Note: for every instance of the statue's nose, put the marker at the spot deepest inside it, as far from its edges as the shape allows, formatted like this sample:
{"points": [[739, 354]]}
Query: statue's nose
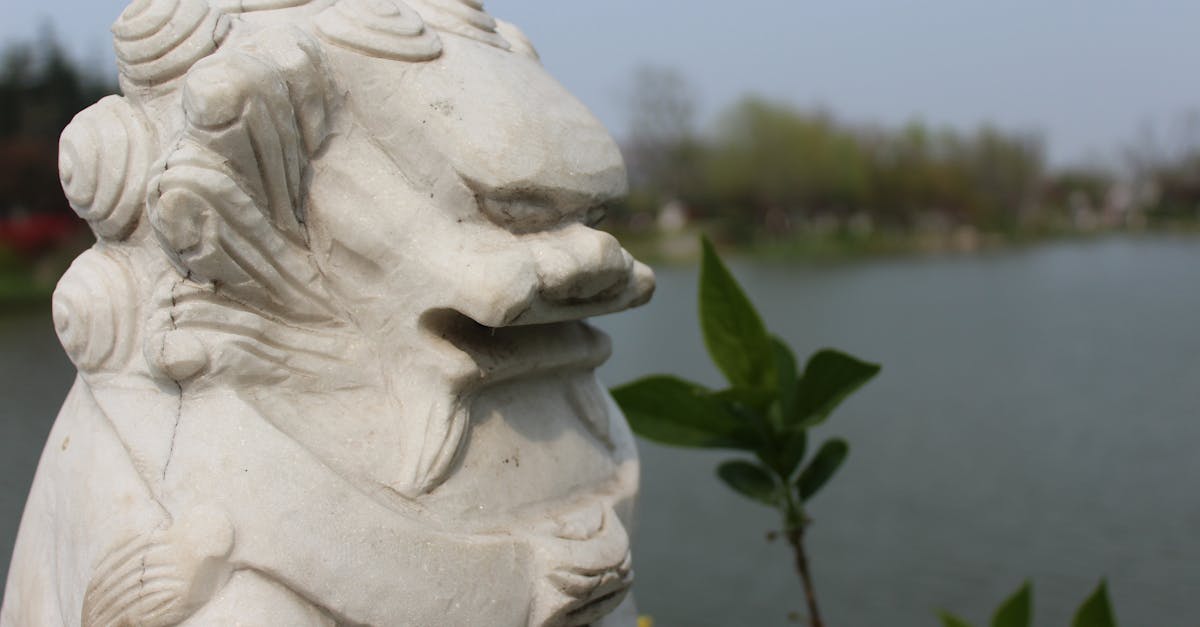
{"points": [[579, 265]]}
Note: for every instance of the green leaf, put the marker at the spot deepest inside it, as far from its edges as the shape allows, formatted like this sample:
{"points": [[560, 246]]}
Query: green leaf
{"points": [[822, 467], [751, 480], [1017, 611], [790, 443], [829, 377], [672, 411], [753, 399], [779, 447], [1096, 611], [786, 382], [734, 333], [794, 444], [950, 620], [750, 407]]}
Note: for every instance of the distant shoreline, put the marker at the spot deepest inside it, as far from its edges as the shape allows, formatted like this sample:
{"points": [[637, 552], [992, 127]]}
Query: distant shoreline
{"points": [[682, 248], [19, 287]]}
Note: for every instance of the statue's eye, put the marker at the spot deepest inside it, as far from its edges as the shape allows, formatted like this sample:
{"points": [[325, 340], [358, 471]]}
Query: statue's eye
{"points": [[595, 216]]}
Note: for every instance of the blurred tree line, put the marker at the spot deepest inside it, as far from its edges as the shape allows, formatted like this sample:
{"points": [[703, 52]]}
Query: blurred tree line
{"points": [[771, 170], [41, 89], [765, 170]]}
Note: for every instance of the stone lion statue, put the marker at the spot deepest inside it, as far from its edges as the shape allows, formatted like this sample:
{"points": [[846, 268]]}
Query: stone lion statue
{"points": [[332, 364]]}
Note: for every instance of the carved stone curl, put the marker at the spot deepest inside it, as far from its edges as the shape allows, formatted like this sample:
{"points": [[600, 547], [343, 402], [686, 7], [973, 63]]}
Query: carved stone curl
{"points": [[95, 311], [104, 158], [333, 368], [158, 40], [463, 17]]}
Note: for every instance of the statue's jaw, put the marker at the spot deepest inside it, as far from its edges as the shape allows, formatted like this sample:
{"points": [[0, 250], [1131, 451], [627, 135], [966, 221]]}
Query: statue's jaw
{"points": [[409, 431], [551, 364]]}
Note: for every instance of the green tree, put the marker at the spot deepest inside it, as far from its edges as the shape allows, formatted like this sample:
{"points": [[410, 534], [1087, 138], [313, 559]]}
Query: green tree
{"points": [[769, 157]]}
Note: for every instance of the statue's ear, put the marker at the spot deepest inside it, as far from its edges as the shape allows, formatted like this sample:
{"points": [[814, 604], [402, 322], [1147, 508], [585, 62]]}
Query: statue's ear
{"points": [[228, 202]]}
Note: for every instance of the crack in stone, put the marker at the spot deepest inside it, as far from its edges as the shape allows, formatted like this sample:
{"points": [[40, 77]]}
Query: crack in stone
{"points": [[178, 385]]}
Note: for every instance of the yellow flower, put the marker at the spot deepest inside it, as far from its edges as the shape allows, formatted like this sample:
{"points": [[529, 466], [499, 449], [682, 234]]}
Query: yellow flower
{"points": [[645, 621]]}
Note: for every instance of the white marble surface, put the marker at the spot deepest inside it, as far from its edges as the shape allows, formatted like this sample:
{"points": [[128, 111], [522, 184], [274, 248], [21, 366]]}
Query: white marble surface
{"points": [[332, 364]]}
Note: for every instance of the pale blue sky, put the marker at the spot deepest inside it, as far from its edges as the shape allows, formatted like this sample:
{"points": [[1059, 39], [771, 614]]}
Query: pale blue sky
{"points": [[1086, 74]]}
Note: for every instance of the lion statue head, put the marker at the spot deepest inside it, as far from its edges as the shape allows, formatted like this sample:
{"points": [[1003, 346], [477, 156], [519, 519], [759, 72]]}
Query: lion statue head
{"points": [[346, 247]]}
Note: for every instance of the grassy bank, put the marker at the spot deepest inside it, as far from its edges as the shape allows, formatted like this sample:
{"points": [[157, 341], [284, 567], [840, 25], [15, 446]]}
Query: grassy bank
{"points": [[26, 281], [30, 283]]}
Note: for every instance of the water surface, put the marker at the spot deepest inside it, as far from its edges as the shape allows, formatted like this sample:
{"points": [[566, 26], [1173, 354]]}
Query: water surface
{"points": [[1036, 418]]}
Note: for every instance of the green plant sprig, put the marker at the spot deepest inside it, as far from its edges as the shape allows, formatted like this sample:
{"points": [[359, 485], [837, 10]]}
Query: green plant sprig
{"points": [[1017, 611], [767, 410]]}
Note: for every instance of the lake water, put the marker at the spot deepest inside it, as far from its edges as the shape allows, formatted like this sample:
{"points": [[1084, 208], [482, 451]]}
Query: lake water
{"points": [[1037, 417]]}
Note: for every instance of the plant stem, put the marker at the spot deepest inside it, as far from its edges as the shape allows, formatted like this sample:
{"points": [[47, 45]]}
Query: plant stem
{"points": [[795, 523], [796, 539]]}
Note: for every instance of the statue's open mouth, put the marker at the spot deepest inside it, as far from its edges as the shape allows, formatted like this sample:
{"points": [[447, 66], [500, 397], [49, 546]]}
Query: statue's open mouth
{"points": [[499, 354]]}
